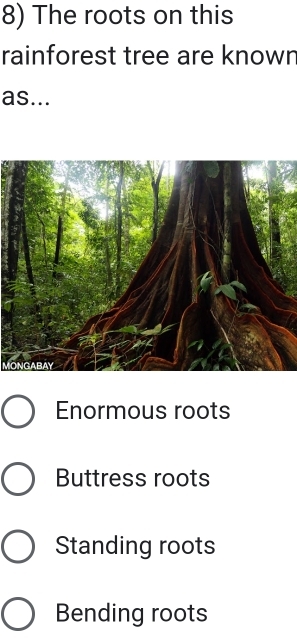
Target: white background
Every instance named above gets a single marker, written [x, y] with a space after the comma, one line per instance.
[248, 585]
[149, 111]
[248, 509]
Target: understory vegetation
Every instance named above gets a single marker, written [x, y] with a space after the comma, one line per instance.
[81, 230]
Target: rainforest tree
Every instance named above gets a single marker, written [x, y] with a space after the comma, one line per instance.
[204, 280]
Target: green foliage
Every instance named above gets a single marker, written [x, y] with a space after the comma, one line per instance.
[218, 358]
[50, 310]
[85, 283]
[20, 356]
[238, 284]
[122, 352]
[229, 289]
[204, 281]
[281, 196]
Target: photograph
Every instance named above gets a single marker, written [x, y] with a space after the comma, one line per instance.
[149, 265]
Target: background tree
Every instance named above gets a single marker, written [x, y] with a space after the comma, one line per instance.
[11, 226]
[156, 175]
[273, 212]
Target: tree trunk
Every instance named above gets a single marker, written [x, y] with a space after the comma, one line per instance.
[119, 229]
[165, 291]
[43, 332]
[108, 281]
[126, 222]
[29, 270]
[11, 225]
[155, 182]
[226, 261]
[274, 227]
[61, 217]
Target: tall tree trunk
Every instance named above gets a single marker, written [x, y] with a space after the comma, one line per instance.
[59, 237]
[31, 279]
[119, 230]
[274, 227]
[61, 218]
[43, 234]
[165, 289]
[155, 183]
[106, 242]
[126, 222]
[226, 260]
[11, 226]
[247, 190]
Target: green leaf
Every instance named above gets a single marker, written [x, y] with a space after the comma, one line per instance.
[217, 343]
[14, 357]
[224, 347]
[195, 363]
[227, 290]
[128, 329]
[154, 331]
[206, 280]
[206, 283]
[211, 168]
[167, 328]
[198, 343]
[239, 285]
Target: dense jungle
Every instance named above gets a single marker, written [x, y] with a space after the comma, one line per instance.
[150, 265]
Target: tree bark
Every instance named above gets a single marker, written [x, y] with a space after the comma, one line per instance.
[11, 225]
[60, 224]
[274, 227]
[226, 260]
[155, 182]
[119, 229]
[108, 282]
[31, 279]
